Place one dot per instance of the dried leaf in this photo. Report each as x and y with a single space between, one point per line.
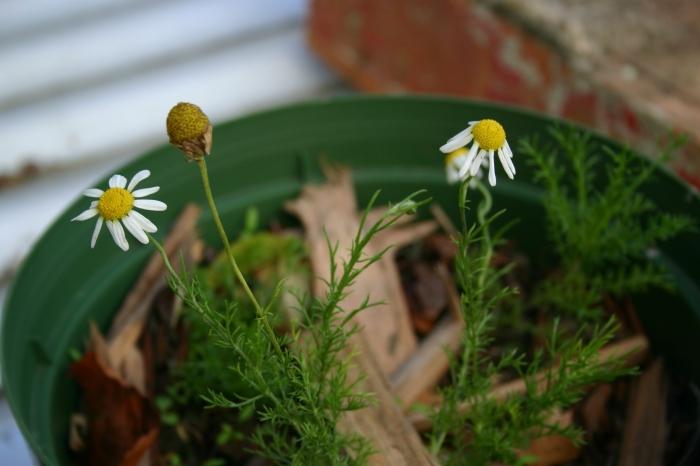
644 438
122 424
552 450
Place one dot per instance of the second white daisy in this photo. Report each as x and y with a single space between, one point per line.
116 207
489 139
455 161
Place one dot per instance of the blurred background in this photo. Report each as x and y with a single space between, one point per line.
85 84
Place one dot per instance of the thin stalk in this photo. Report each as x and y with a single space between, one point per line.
470 356
166 260
482 211
438 438
231 260
462 202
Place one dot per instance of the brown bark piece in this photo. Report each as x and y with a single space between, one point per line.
394 439
644 438
428 364
331 210
553 450
124 356
418 376
635 348
385 339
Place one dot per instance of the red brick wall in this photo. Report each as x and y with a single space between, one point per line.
461 48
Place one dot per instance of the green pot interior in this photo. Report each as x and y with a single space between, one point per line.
261 160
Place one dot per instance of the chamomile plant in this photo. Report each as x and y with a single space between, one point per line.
298 384
604 229
471 427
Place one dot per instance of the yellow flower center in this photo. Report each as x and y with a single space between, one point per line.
489 134
115 203
449 158
186 122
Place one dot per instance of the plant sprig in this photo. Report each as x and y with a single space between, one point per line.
602 228
472 428
302 391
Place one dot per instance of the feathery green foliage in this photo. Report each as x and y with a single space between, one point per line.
263 257
472 428
300 383
601 228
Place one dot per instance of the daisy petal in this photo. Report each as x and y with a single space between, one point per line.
477 162
504 162
470 158
93 192
115 228
145 224
84 215
461 135
510 163
506 149
135 229
452 174
122 236
117 181
96 232
139 177
110 227
150 204
146 191
456 142
492 169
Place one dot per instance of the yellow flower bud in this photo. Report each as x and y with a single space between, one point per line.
189 130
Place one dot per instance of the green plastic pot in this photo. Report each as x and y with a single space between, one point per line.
261 160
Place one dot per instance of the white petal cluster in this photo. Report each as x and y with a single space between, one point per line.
116 208
455 161
462 163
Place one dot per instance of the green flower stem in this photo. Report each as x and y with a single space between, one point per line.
470 356
482 211
462 202
166 259
222 233
232 261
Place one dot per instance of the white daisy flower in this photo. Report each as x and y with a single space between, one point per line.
454 161
116 207
489 139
